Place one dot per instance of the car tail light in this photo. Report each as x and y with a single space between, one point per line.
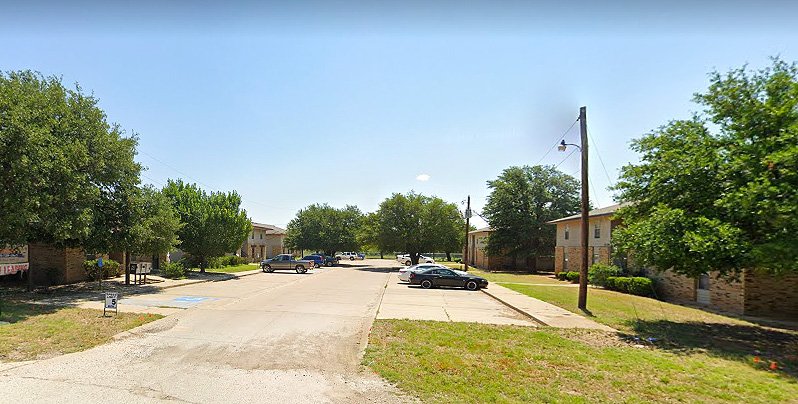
412 275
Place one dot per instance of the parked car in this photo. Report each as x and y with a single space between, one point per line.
436 277
318 260
361 255
349 255
404 273
286 261
328 260
405 259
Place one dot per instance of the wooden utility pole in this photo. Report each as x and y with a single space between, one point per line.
585 213
467 226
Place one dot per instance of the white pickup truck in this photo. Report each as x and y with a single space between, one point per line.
422 259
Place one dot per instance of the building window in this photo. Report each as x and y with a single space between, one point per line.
595 257
252 236
703 282
567 232
596 231
261 236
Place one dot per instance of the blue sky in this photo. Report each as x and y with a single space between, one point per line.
348 102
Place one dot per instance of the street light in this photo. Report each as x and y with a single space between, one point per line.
585 204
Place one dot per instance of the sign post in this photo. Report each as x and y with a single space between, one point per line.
111 302
100 272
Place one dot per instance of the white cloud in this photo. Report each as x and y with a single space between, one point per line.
423 177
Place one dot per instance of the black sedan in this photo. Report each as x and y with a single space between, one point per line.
446 277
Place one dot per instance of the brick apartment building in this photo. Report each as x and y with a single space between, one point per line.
265 241
754 292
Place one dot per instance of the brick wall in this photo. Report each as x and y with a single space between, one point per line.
726 295
671 286
771 296
66 262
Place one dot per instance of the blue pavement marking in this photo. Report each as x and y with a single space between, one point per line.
182 302
190 299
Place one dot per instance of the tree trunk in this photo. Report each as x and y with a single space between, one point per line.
448 256
381 256
202 264
127 268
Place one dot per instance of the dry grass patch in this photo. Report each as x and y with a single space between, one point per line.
39 331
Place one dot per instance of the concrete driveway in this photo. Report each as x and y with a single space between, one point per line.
402 300
278 337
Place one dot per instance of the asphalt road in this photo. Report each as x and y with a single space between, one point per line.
280 337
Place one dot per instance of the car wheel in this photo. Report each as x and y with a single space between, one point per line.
317 266
268 268
408 263
472 285
426 284
300 269
351 258
327 264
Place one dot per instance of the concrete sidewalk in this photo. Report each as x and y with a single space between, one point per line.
542 312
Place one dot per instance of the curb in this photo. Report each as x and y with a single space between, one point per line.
526 314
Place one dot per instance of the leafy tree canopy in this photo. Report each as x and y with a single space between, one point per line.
67 175
521 202
719 191
415 223
213 223
324 228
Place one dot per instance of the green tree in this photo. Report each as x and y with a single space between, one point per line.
719 191
521 202
66 173
212 224
324 228
155 230
415 223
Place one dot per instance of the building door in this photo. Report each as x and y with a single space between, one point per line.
702 290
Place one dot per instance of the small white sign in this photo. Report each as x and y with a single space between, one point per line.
111 299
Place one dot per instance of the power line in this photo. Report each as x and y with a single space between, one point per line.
566 157
208 186
593 143
558 141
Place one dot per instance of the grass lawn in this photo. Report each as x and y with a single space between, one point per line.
678 328
38 331
465 362
236 268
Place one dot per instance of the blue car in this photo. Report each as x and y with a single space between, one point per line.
320 260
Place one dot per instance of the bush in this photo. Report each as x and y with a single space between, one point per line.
598 274
110 269
572 276
173 270
226 261
637 285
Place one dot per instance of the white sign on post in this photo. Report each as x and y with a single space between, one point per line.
111 301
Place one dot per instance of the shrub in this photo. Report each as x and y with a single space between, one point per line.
637 285
572 276
598 274
110 269
173 270
226 261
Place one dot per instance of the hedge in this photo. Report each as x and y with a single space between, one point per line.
598 274
110 269
570 276
637 285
